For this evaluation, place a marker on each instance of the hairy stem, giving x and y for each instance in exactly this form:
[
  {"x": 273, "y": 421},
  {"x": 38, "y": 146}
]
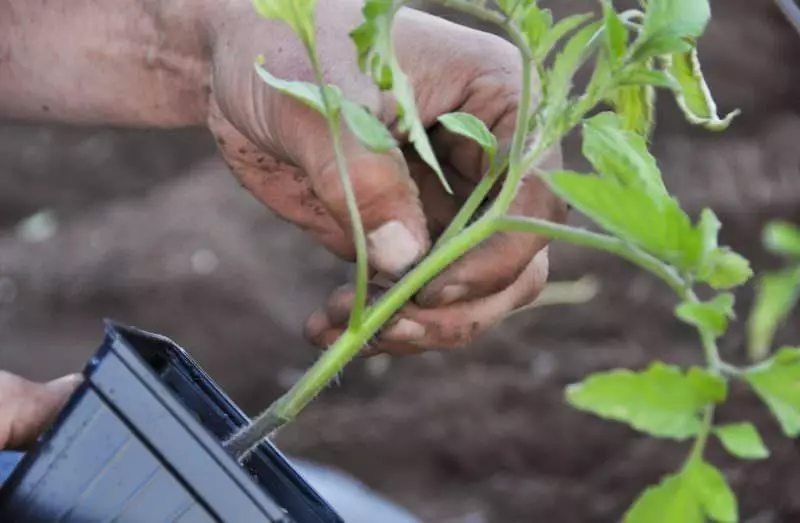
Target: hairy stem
[
  {"x": 600, "y": 242},
  {"x": 359, "y": 238},
  {"x": 350, "y": 343}
]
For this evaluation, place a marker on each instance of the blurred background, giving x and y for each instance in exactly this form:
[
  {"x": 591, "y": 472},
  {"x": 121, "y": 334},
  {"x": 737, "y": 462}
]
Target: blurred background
[{"x": 150, "y": 229}]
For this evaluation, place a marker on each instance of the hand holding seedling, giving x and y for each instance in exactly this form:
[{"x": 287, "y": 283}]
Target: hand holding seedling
[{"x": 281, "y": 151}]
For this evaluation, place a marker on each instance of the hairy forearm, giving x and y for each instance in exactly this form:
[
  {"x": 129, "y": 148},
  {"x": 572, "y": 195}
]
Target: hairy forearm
[{"x": 112, "y": 62}]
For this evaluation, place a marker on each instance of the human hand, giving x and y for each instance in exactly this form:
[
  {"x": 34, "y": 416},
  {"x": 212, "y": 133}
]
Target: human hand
[
  {"x": 27, "y": 408},
  {"x": 280, "y": 150}
]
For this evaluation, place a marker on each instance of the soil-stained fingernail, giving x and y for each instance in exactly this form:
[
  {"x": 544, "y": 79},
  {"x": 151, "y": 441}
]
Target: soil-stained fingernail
[
  {"x": 453, "y": 293},
  {"x": 393, "y": 248},
  {"x": 404, "y": 330}
]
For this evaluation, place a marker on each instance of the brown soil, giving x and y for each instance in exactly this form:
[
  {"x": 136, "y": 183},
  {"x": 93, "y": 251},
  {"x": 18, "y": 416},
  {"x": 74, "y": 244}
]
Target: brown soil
[{"x": 153, "y": 232}]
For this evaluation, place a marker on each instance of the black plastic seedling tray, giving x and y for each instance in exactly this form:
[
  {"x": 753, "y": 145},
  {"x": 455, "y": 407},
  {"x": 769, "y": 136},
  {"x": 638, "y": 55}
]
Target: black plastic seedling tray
[{"x": 139, "y": 442}]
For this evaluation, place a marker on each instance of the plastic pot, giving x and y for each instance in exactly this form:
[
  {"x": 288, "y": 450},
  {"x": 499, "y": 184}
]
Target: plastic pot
[{"x": 139, "y": 442}]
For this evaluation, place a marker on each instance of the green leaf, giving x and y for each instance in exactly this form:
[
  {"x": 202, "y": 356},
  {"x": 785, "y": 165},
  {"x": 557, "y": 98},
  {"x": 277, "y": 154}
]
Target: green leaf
[
  {"x": 676, "y": 18},
  {"x": 376, "y": 57},
  {"x": 724, "y": 269},
  {"x": 471, "y": 127},
  {"x": 661, "y": 401},
  {"x": 776, "y": 296},
  {"x": 782, "y": 238},
  {"x": 551, "y": 37},
  {"x": 644, "y": 75},
  {"x": 297, "y": 14},
  {"x": 622, "y": 155},
  {"x": 513, "y": 8},
  {"x": 367, "y": 128},
  {"x": 656, "y": 46},
  {"x": 636, "y": 106},
  {"x": 710, "y": 316},
  {"x": 695, "y": 98},
  {"x": 777, "y": 383},
  {"x": 615, "y": 31},
  {"x": 305, "y": 92},
  {"x": 698, "y": 492},
  {"x": 567, "y": 63},
  {"x": 660, "y": 227},
  {"x": 742, "y": 440},
  {"x": 535, "y": 24}
]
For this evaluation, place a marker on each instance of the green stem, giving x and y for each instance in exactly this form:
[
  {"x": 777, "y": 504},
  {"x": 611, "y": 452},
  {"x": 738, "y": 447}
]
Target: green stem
[
  {"x": 600, "y": 242},
  {"x": 473, "y": 203},
  {"x": 699, "y": 446},
  {"x": 359, "y": 238},
  {"x": 351, "y": 342}
]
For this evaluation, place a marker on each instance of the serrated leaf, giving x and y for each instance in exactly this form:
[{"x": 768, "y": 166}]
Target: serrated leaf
[
  {"x": 710, "y": 316},
  {"x": 550, "y": 38},
  {"x": 695, "y": 98},
  {"x": 376, "y": 57},
  {"x": 567, "y": 63},
  {"x": 698, "y": 492},
  {"x": 367, "y": 128},
  {"x": 777, "y": 383},
  {"x": 620, "y": 154},
  {"x": 776, "y": 295},
  {"x": 782, "y": 238},
  {"x": 661, "y": 400},
  {"x": 471, "y": 127},
  {"x": 660, "y": 227},
  {"x": 297, "y": 14},
  {"x": 305, "y": 92},
  {"x": 742, "y": 440},
  {"x": 724, "y": 269}
]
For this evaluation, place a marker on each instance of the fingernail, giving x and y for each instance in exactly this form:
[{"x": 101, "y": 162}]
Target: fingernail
[
  {"x": 404, "y": 330},
  {"x": 453, "y": 293},
  {"x": 70, "y": 381},
  {"x": 393, "y": 248}
]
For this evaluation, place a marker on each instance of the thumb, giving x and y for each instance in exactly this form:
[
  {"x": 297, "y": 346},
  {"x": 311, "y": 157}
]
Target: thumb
[
  {"x": 28, "y": 408},
  {"x": 386, "y": 196}
]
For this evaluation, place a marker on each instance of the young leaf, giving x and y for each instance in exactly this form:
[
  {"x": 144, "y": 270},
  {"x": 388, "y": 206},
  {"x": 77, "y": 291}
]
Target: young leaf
[
  {"x": 305, "y": 92},
  {"x": 636, "y": 107},
  {"x": 535, "y": 24},
  {"x": 782, "y": 238},
  {"x": 644, "y": 75},
  {"x": 567, "y": 63},
  {"x": 375, "y": 49},
  {"x": 776, "y": 296},
  {"x": 684, "y": 19},
  {"x": 695, "y": 98},
  {"x": 512, "y": 8},
  {"x": 468, "y": 125},
  {"x": 550, "y": 38},
  {"x": 724, "y": 269},
  {"x": 620, "y": 154},
  {"x": 297, "y": 14},
  {"x": 776, "y": 383},
  {"x": 660, "y": 227},
  {"x": 698, "y": 492},
  {"x": 615, "y": 31},
  {"x": 742, "y": 440},
  {"x": 368, "y": 129},
  {"x": 711, "y": 316},
  {"x": 660, "y": 400}
]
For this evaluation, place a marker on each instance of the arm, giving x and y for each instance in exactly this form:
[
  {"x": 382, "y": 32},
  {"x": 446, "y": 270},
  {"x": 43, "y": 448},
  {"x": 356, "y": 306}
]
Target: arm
[{"x": 117, "y": 62}]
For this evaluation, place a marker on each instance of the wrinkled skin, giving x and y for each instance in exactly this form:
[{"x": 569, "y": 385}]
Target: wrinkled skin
[
  {"x": 155, "y": 63},
  {"x": 280, "y": 150}
]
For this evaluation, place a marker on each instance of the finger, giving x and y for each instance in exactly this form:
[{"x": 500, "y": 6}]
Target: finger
[
  {"x": 385, "y": 194},
  {"x": 415, "y": 329},
  {"x": 500, "y": 260},
  {"x": 279, "y": 185},
  {"x": 31, "y": 407}
]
